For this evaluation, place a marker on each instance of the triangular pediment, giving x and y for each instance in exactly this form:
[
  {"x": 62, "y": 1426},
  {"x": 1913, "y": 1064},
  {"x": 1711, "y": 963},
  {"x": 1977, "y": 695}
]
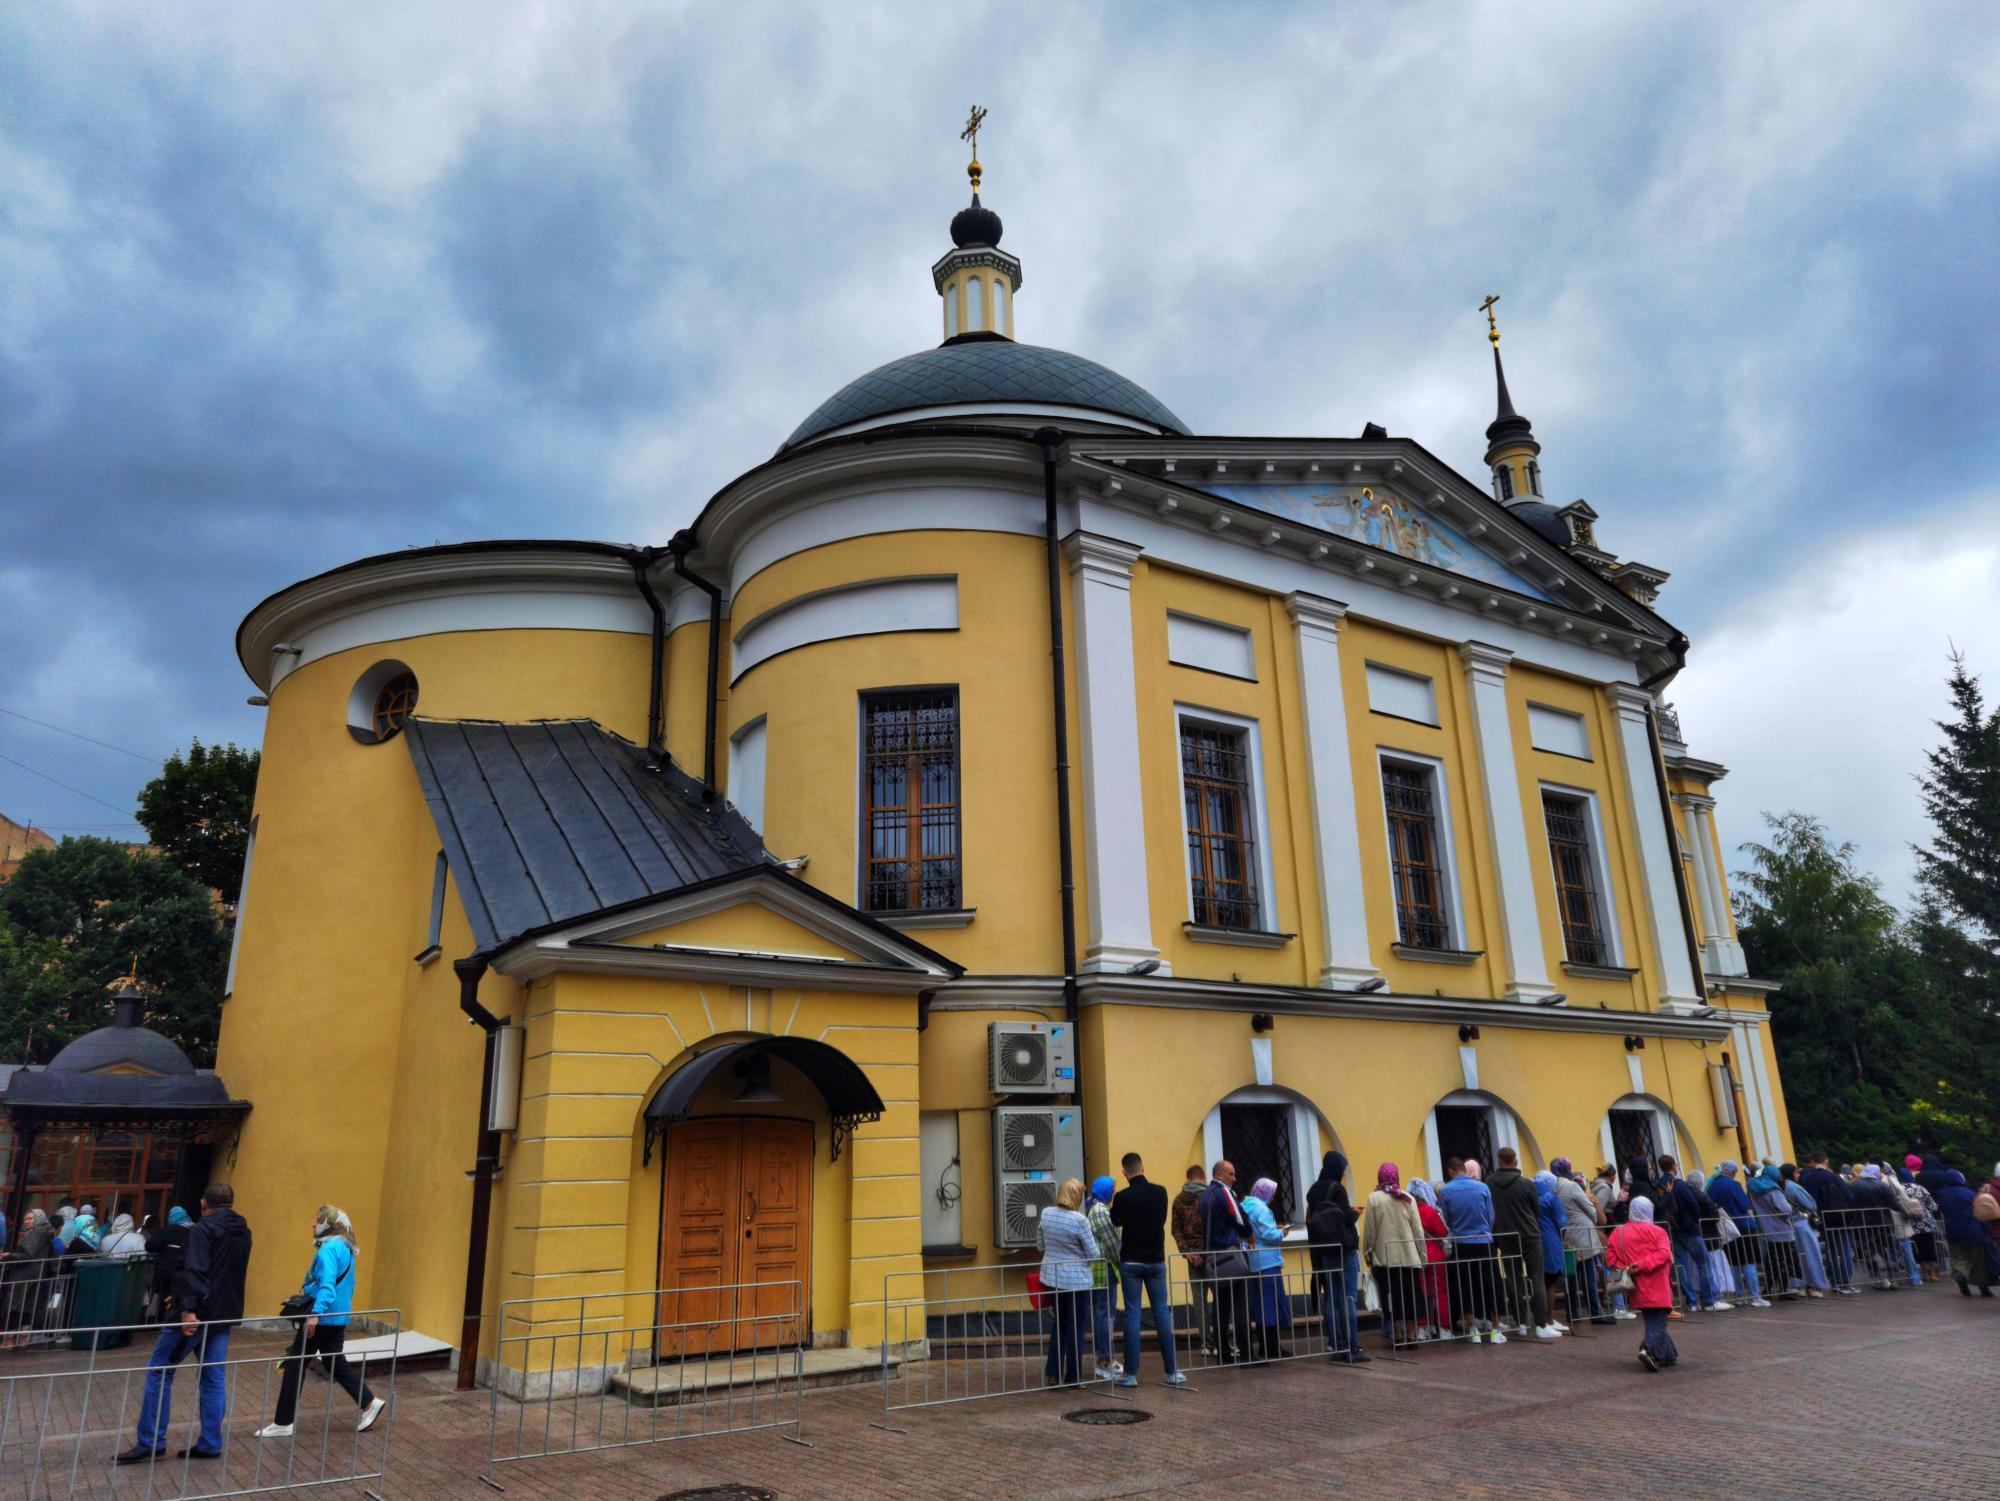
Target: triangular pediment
[
  {"x": 1379, "y": 516},
  {"x": 745, "y": 926}
]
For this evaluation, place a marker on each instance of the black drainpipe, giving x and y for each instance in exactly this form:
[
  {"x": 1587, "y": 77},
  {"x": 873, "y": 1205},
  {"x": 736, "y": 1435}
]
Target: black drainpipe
[
  {"x": 1050, "y": 439},
  {"x": 642, "y": 564},
  {"x": 470, "y": 972},
  {"x": 682, "y": 544},
  {"x": 1679, "y": 648}
]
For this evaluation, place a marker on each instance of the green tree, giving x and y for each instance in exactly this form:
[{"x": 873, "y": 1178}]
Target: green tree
[
  {"x": 1959, "y": 870},
  {"x": 76, "y": 917},
  {"x": 197, "y": 810},
  {"x": 1866, "y": 1040}
]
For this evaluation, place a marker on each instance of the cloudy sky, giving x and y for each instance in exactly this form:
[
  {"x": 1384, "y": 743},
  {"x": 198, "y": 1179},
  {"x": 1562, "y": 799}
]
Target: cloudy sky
[{"x": 283, "y": 286}]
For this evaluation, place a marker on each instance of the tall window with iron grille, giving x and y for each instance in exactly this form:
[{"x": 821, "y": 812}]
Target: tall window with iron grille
[
  {"x": 1416, "y": 861},
  {"x": 1575, "y": 862},
  {"x": 1221, "y": 825},
  {"x": 910, "y": 801}
]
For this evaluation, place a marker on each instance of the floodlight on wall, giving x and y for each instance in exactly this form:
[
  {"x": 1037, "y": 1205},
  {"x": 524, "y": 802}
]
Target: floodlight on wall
[
  {"x": 755, "y": 1072},
  {"x": 1365, "y": 987},
  {"x": 1703, "y": 1013},
  {"x": 1635, "y": 1044},
  {"x": 1468, "y": 1033},
  {"x": 1556, "y": 999},
  {"x": 1144, "y": 967},
  {"x": 1262, "y": 1022}
]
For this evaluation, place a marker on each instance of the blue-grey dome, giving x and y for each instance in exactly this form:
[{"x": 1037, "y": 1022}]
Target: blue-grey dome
[
  {"x": 984, "y": 370},
  {"x": 1543, "y": 518}
]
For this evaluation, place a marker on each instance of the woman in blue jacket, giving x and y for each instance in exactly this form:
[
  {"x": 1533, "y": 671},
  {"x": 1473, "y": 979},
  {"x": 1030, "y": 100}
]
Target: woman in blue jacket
[
  {"x": 1271, "y": 1309},
  {"x": 1742, "y": 1251},
  {"x": 1550, "y": 1219},
  {"x": 329, "y": 1295},
  {"x": 1966, "y": 1236}
]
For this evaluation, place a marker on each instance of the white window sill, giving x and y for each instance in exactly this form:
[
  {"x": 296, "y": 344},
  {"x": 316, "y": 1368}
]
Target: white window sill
[
  {"x": 1248, "y": 938},
  {"x": 958, "y": 917},
  {"x": 1437, "y": 956}
]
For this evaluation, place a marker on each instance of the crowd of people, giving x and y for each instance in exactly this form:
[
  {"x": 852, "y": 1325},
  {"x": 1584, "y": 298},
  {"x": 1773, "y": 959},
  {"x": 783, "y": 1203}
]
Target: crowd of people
[{"x": 1478, "y": 1255}]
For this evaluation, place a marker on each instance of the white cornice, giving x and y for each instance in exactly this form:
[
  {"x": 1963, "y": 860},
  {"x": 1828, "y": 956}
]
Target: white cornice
[{"x": 423, "y": 592}]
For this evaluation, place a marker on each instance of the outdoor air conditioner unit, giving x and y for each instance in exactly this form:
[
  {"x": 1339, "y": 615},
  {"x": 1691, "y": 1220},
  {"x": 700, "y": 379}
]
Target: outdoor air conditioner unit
[
  {"x": 1031, "y": 1057},
  {"x": 1035, "y": 1147}
]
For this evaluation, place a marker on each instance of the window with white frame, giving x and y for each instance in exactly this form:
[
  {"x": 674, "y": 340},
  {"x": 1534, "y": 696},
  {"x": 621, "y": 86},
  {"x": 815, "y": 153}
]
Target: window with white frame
[
  {"x": 1222, "y": 813},
  {"x": 1268, "y": 1133},
  {"x": 1420, "y": 858},
  {"x": 1402, "y": 695},
  {"x": 746, "y": 772},
  {"x": 1582, "y": 880}
]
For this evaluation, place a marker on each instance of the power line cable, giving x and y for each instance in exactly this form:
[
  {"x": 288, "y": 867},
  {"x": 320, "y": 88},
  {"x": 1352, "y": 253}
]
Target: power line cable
[
  {"x": 64, "y": 785},
  {"x": 75, "y": 735}
]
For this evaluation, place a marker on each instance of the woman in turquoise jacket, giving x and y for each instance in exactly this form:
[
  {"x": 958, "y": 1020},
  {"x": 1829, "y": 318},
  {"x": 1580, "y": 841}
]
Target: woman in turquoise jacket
[
  {"x": 1270, "y": 1309},
  {"x": 329, "y": 1300}
]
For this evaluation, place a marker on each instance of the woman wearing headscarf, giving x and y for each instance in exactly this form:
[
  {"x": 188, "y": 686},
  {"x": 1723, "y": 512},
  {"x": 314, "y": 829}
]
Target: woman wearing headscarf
[
  {"x": 1550, "y": 1219},
  {"x": 1437, "y": 1251},
  {"x": 329, "y": 1287},
  {"x": 27, "y": 1271},
  {"x": 1638, "y": 1185},
  {"x": 1068, "y": 1252},
  {"x": 1742, "y": 1250},
  {"x": 1583, "y": 1240},
  {"x": 1642, "y": 1248},
  {"x": 1877, "y": 1209},
  {"x": 1105, "y": 1275},
  {"x": 1805, "y": 1231},
  {"x": 1965, "y": 1237},
  {"x": 1721, "y": 1275},
  {"x": 122, "y": 1240},
  {"x": 1928, "y": 1232},
  {"x": 1777, "y": 1244},
  {"x": 84, "y": 1236},
  {"x": 1270, "y": 1309},
  {"x": 1397, "y": 1250},
  {"x": 1336, "y": 1261}
]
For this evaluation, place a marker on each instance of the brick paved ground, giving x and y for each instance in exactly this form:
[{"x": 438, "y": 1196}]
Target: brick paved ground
[{"x": 1877, "y": 1396}]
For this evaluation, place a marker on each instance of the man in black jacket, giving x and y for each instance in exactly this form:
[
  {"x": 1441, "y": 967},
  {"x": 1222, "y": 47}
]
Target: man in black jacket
[
  {"x": 207, "y": 1306},
  {"x": 1139, "y": 1210},
  {"x": 1681, "y": 1215},
  {"x": 1517, "y": 1236},
  {"x": 1336, "y": 1258},
  {"x": 1836, "y": 1217}
]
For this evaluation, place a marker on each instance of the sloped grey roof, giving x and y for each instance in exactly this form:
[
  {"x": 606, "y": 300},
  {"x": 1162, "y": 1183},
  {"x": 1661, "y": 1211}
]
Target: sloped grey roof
[
  {"x": 546, "y": 822},
  {"x": 119, "y": 1046},
  {"x": 985, "y": 370}
]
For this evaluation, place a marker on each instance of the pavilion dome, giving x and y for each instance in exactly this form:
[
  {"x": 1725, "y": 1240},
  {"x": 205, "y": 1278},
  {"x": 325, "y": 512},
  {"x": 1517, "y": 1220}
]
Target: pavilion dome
[
  {"x": 975, "y": 372},
  {"x": 124, "y": 1047}
]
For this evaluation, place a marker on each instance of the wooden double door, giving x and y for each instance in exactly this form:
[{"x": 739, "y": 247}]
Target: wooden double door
[{"x": 736, "y": 1236}]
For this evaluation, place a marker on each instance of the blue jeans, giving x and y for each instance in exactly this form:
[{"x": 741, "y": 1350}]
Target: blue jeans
[
  {"x": 1691, "y": 1257},
  {"x": 1339, "y": 1292},
  {"x": 211, "y": 1347},
  {"x": 1909, "y": 1250},
  {"x": 1815, "y": 1268},
  {"x": 1151, "y": 1277},
  {"x": 1103, "y": 1304}
]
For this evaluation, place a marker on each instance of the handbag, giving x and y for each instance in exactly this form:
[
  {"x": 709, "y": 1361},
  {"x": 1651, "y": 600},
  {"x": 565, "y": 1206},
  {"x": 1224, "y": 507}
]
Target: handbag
[
  {"x": 1619, "y": 1280},
  {"x": 1228, "y": 1263},
  {"x": 1728, "y": 1229},
  {"x": 1037, "y": 1295}
]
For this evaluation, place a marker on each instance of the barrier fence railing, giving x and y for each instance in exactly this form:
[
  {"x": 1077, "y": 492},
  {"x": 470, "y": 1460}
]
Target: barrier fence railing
[
  {"x": 616, "y": 1370},
  {"x": 66, "y": 1416},
  {"x": 37, "y": 1297},
  {"x": 1307, "y": 1307}
]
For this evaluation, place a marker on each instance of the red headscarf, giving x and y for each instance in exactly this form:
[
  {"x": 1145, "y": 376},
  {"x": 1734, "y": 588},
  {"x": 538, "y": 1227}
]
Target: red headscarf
[{"x": 1389, "y": 1179}]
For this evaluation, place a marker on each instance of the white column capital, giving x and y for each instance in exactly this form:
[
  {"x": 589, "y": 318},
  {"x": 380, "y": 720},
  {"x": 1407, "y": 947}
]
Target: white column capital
[
  {"x": 1312, "y": 613},
  {"x": 1100, "y": 559},
  {"x": 1631, "y": 702},
  {"x": 1483, "y": 661}
]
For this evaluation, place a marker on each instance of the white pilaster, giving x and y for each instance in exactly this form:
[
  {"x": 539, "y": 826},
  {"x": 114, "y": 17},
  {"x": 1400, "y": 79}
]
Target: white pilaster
[
  {"x": 1336, "y": 833},
  {"x": 1526, "y": 968},
  {"x": 1720, "y": 950},
  {"x": 1120, "y": 932},
  {"x": 1659, "y": 864}
]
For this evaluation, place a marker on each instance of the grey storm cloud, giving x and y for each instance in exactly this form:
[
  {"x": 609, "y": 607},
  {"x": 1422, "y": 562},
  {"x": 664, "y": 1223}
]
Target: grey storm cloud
[{"x": 280, "y": 288}]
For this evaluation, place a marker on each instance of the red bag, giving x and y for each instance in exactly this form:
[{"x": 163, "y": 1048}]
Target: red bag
[{"x": 1036, "y": 1294}]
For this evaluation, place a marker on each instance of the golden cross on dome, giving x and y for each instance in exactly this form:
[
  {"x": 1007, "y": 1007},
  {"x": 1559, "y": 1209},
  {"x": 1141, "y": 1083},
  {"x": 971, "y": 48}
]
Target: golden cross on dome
[
  {"x": 971, "y": 133},
  {"x": 1492, "y": 328}
]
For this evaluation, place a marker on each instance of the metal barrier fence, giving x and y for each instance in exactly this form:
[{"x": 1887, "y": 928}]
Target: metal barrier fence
[
  {"x": 597, "y": 1370},
  {"x": 65, "y": 1424},
  {"x": 37, "y": 1297},
  {"x": 1307, "y": 1307}
]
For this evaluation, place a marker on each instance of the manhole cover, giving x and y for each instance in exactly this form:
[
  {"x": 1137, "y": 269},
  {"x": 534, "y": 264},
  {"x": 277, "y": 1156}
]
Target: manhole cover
[
  {"x": 1108, "y": 1417},
  {"x": 720, "y": 1493}
]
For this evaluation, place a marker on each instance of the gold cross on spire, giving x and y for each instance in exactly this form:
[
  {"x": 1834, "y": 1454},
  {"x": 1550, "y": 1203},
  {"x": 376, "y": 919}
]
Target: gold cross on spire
[
  {"x": 971, "y": 133},
  {"x": 1492, "y": 328}
]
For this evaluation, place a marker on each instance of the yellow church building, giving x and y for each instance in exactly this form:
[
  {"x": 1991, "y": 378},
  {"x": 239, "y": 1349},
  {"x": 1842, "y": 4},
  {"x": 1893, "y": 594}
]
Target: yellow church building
[{"x": 1000, "y": 778}]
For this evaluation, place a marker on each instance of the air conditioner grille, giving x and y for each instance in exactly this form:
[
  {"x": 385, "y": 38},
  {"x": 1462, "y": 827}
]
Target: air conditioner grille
[
  {"x": 1028, "y": 1142},
  {"x": 1024, "y": 1060},
  {"x": 1024, "y": 1206}
]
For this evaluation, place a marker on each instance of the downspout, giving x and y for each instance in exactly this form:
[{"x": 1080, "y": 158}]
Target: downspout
[
  {"x": 1050, "y": 439},
  {"x": 642, "y": 564},
  {"x": 470, "y": 972},
  {"x": 1688, "y": 933},
  {"x": 682, "y": 544}
]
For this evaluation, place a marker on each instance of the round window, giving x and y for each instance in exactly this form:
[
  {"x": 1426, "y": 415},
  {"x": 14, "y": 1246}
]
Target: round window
[{"x": 383, "y": 700}]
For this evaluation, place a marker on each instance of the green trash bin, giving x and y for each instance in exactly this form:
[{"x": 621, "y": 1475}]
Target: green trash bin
[{"x": 108, "y": 1294}]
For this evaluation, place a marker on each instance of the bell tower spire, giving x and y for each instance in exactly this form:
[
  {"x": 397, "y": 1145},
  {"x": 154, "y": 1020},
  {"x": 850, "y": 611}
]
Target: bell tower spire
[
  {"x": 976, "y": 279},
  {"x": 1511, "y": 448}
]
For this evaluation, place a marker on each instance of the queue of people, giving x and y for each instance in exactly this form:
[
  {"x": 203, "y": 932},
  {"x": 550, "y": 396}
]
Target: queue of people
[{"x": 1478, "y": 1256}]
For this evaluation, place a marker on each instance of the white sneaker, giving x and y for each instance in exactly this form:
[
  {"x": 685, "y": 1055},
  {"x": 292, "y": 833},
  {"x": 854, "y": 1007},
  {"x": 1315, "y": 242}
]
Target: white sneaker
[
  {"x": 369, "y": 1414},
  {"x": 1523, "y": 1330},
  {"x": 1496, "y": 1338},
  {"x": 1558, "y": 1326},
  {"x": 1548, "y": 1332},
  {"x": 1425, "y": 1334},
  {"x": 1105, "y": 1373},
  {"x": 1179, "y": 1378},
  {"x": 1760, "y": 1302},
  {"x": 275, "y": 1430},
  {"x": 1624, "y": 1314},
  {"x": 1718, "y": 1306}
]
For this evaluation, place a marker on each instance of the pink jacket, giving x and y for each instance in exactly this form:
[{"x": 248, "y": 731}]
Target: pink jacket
[{"x": 1645, "y": 1250}]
